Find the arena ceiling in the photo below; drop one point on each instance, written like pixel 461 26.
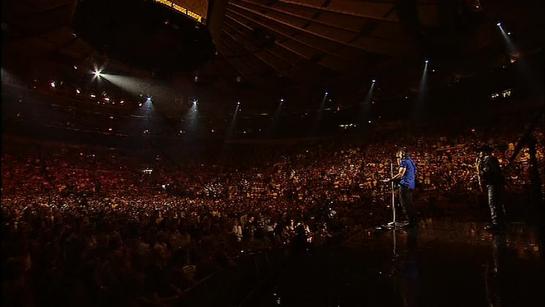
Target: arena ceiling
pixel 314 43
pixel 303 38
pixel 347 42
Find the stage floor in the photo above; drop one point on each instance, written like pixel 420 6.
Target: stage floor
pixel 439 263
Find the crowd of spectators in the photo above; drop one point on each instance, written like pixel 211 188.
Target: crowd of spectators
pixel 106 226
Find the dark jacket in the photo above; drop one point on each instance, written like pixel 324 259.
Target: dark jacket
pixel 490 171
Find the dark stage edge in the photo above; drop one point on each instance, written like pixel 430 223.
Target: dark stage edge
pixel 439 263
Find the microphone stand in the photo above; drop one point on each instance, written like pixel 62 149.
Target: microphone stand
pixel 393 196
pixel 392 224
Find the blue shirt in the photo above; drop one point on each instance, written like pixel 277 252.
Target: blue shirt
pixel 408 180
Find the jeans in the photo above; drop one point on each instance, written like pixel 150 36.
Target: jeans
pixel 406 202
pixel 494 203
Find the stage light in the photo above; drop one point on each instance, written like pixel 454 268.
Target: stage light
pixel 511 48
pixel 374 81
pixel 97 73
pixel 281 99
pixel 232 125
pixel 426 61
pixel 52 84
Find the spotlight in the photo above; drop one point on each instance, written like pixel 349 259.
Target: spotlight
pixel 374 81
pixel 281 99
pixel 97 73
pixel 426 61
pixel 238 103
pixel 498 24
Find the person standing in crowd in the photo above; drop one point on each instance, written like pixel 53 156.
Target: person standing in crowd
pixel 406 181
pixel 490 175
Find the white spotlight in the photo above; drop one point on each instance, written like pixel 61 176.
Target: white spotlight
pixel 426 61
pixel 374 81
pixel 97 73
pixel 498 24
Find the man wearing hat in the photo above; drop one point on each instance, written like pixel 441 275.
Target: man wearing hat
pixel 490 176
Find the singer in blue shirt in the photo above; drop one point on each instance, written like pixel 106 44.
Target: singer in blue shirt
pixel 406 179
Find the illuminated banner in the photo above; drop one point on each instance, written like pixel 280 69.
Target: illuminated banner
pixel 196 9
